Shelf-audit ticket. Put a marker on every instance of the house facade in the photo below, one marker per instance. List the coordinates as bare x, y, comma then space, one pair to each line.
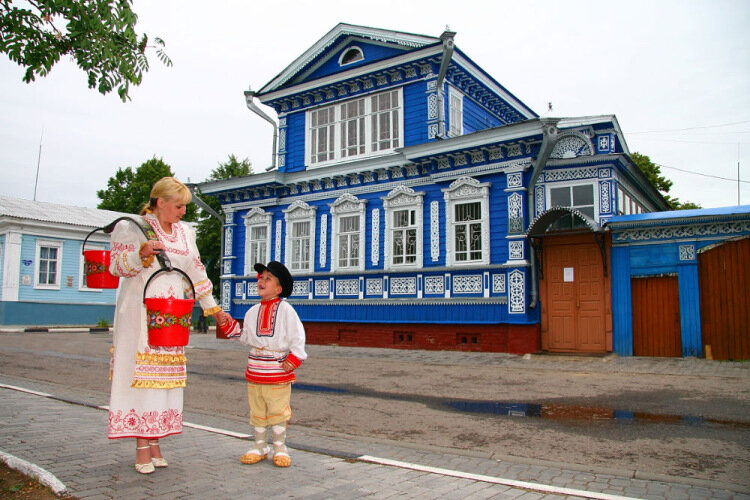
42, 281
420, 204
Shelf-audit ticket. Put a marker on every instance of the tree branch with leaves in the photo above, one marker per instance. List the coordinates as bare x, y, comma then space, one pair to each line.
99, 35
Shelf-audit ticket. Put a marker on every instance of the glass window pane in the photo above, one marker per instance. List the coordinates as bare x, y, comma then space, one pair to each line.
560, 197
583, 195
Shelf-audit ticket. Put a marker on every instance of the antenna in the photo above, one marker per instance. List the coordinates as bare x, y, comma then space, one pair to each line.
38, 160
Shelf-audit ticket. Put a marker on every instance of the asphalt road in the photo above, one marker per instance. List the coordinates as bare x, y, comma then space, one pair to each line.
684, 418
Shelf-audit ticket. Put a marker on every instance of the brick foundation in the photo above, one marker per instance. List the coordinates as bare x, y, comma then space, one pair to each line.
514, 339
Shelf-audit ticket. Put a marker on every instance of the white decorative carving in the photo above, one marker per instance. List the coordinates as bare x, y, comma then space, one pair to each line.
301, 287
515, 250
515, 180
434, 231
347, 287
277, 246
604, 198
571, 146
465, 190
374, 286
517, 295
684, 231
687, 252
467, 284
570, 174
498, 283
226, 292
403, 286
434, 285
515, 213
322, 287
323, 239
375, 237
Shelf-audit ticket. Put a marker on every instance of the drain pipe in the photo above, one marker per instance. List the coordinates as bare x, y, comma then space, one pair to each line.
447, 38
549, 138
249, 95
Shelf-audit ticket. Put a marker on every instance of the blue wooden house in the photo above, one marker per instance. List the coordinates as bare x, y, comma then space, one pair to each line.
680, 283
419, 203
42, 281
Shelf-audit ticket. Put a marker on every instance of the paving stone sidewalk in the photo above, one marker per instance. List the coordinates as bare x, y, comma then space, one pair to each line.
67, 440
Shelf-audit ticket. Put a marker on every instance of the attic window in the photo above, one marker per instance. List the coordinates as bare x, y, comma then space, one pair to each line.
351, 55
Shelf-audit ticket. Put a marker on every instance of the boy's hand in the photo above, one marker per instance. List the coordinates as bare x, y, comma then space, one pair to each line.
288, 366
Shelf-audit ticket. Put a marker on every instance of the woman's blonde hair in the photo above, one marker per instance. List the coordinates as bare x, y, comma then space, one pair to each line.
167, 188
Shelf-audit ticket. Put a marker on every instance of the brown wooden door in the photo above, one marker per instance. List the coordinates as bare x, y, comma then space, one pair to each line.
724, 276
574, 296
656, 316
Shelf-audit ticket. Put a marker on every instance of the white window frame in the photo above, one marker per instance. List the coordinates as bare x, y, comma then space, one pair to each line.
256, 218
345, 206
299, 212
337, 151
571, 185
403, 198
455, 112
462, 191
82, 268
58, 267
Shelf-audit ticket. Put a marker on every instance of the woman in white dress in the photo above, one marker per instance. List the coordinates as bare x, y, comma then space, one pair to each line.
148, 381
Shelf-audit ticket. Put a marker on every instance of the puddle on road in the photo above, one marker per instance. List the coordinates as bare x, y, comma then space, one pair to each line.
545, 411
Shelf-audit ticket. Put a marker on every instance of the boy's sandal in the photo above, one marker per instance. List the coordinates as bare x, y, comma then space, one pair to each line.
254, 455
282, 459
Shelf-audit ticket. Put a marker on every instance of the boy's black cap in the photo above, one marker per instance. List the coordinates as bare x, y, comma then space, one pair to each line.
282, 274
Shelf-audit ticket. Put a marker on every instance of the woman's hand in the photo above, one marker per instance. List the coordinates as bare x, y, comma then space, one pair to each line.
150, 248
288, 366
221, 317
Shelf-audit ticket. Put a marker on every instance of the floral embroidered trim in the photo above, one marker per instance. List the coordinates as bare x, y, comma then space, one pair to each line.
212, 311
161, 359
158, 384
147, 424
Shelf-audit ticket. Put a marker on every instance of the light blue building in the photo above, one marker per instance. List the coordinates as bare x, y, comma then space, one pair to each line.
412, 196
41, 265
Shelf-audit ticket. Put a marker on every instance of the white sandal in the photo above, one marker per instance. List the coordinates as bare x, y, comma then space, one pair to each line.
146, 468
160, 461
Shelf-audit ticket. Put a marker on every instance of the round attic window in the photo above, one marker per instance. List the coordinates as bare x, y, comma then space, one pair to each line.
351, 55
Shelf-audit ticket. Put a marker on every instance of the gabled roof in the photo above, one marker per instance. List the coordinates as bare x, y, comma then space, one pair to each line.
41, 211
342, 31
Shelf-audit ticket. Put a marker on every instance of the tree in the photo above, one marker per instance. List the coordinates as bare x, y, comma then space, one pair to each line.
652, 171
208, 233
98, 34
128, 190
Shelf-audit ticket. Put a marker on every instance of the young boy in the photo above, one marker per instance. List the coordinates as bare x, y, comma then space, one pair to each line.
277, 339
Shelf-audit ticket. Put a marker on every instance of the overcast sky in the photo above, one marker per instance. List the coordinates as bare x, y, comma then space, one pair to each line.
675, 73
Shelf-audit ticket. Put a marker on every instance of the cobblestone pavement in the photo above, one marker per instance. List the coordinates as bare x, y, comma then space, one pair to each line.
65, 439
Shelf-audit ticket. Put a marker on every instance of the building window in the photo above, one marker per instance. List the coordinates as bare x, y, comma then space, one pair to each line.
348, 233
456, 112
48, 259
341, 131
579, 197
351, 55
300, 235
257, 239
322, 134
468, 232
467, 208
403, 228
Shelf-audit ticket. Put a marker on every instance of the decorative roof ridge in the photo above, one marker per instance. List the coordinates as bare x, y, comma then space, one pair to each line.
376, 34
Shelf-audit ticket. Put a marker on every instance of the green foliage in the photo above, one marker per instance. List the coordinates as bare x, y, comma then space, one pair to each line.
208, 233
99, 35
128, 190
652, 171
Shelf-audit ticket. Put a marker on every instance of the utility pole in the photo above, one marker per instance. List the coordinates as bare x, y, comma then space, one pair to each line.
38, 160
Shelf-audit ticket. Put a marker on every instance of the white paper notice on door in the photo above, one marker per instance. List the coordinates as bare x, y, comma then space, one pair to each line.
568, 274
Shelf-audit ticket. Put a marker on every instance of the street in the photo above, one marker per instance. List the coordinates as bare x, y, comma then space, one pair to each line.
684, 418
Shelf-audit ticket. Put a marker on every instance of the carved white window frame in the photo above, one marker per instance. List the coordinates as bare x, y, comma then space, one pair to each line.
299, 211
466, 190
58, 264
256, 217
403, 198
347, 205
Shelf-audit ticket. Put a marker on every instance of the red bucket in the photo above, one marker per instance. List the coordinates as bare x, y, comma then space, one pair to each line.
96, 265
168, 319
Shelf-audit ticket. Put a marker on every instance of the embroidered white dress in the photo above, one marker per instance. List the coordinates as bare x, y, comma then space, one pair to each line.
147, 382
